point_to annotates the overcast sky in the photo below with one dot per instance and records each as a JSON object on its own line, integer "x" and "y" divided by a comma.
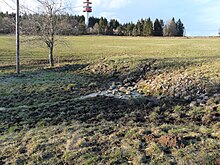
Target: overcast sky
{"x": 200, "y": 17}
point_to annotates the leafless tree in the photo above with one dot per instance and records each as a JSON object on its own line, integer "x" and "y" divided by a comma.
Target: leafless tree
{"x": 48, "y": 23}
{"x": 170, "y": 28}
{"x": 45, "y": 24}
{"x": 7, "y": 25}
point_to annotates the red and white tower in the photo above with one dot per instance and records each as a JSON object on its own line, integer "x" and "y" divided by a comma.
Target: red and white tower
{"x": 87, "y": 8}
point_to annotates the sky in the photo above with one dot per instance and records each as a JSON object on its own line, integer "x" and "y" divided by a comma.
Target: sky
{"x": 200, "y": 17}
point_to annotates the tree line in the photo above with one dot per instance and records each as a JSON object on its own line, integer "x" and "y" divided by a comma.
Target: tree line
{"x": 143, "y": 27}
{"x": 75, "y": 25}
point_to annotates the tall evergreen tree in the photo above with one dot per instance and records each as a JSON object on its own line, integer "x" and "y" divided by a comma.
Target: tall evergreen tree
{"x": 119, "y": 30}
{"x": 158, "y": 30}
{"x": 138, "y": 27}
{"x": 162, "y": 23}
{"x": 129, "y": 28}
{"x": 149, "y": 27}
{"x": 179, "y": 28}
{"x": 134, "y": 31}
{"x": 145, "y": 28}
{"x": 93, "y": 21}
{"x": 114, "y": 23}
{"x": 103, "y": 23}
{"x": 142, "y": 26}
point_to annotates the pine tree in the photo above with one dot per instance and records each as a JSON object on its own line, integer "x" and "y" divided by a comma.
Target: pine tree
{"x": 93, "y": 21}
{"x": 114, "y": 23}
{"x": 134, "y": 31}
{"x": 119, "y": 30}
{"x": 162, "y": 23}
{"x": 149, "y": 27}
{"x": 158, "y": 30}
{"x": 129, "y": 28}
{"x": 145, "y": 28}
{"x": 138, "y": 27}
{"x": 180, "y": 28}
{"x": 101, "y": 25}
{"x": 142, "y": 26}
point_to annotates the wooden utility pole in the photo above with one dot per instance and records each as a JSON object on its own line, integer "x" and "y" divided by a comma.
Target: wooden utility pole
{"x": 17, "y": 39}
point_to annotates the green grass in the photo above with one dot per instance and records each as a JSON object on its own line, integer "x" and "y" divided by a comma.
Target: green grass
{"x": 90, "y": 49}
{"x": 43, "y": 121}
{"x": 94, "y": 48}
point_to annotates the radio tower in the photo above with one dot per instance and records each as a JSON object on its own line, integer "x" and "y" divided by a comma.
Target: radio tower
{"x": 87, "y": 8}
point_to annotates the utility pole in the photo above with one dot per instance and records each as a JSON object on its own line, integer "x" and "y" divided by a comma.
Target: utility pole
{"x": 17, "y": 39}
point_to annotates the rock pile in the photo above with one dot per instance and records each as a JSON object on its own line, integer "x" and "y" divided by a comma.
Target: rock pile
{"x": 147, "y": 81}
{"x": 175, "y": 84}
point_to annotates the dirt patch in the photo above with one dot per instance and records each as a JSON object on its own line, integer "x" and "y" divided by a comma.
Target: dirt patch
{"x": 169, "y": 141}
{"x": 217, "y": 161}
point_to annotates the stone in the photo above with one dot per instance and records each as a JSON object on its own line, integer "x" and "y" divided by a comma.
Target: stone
{"x": 177, "y": 95}
{"x": 205, "y": 97}
{"x": 147, "y": 132}
{"x": 109, "y": 91}
{"x": 188, "y": 98}
{"x": 113, "y": 86}
{"x": 160, "y": 97}
{"x": 199, "y": 101}
{"x": 93, "y": 85}
{"x": 144, "y": 159}
{"x": 128, "y": 92}
{"x": 114, "y": 92}
{"x": 127, "y": 84}
{"x": 151, "y": 104}
{"x": 216, "y": 95}
{"x": 193, "y": 104}
{"x": 217, "y": 100}
{"x": 123, "y": 89}
{"x": 130, "y": 88}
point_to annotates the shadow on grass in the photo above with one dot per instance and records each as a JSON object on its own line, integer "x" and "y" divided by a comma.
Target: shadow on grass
{"x": 7, "y": 67}
{"x": 29, "y": 71}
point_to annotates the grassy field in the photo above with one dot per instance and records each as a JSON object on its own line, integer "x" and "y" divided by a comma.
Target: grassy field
{"x": 168, "y": 111}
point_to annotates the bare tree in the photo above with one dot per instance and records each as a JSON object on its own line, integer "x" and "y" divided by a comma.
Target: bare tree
{"x": 47, "y": 24}
{"x": 170, "y": 28}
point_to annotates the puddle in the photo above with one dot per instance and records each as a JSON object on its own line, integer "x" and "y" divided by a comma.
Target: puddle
{"x": 118, "y": 95}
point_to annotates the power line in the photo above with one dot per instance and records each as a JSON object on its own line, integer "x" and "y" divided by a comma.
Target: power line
{"x": 8, "y": 5}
